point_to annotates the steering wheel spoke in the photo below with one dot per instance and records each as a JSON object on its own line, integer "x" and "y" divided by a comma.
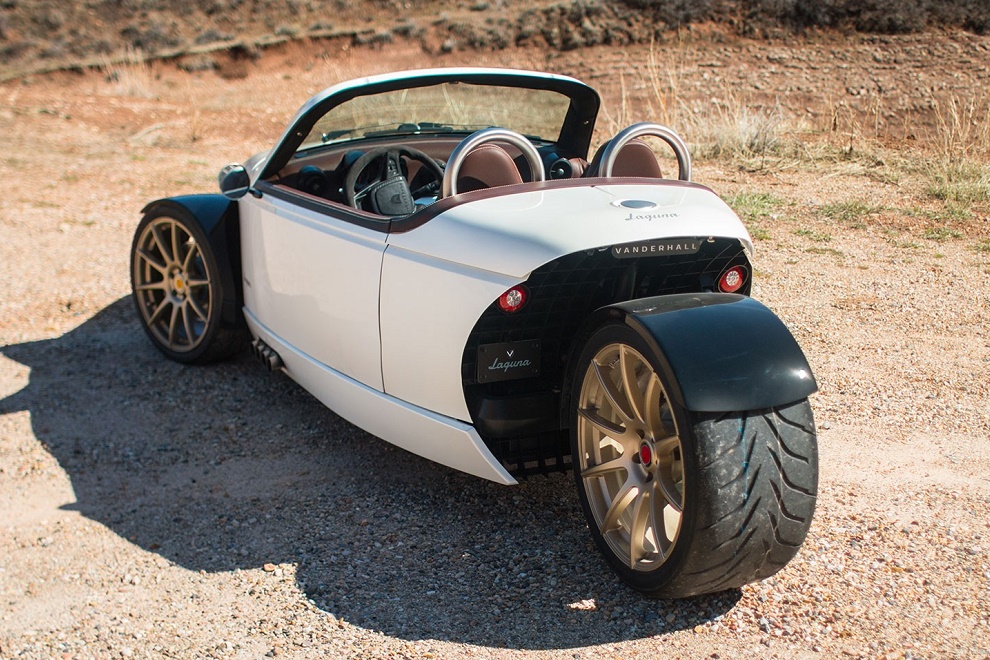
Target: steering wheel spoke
{"x": 359, "y": 196}
{"x": 432, "y": 189}
{"x": 391, "y": 165}
{"x": 388, "y": 193}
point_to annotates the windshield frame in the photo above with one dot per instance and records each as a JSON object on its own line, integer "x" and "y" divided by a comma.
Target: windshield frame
{"x": 446, "y": 108}
{"x": 575, "y": 132}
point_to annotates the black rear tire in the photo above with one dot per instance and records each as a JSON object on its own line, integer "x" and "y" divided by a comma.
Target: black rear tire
{"x": 682, "y": 503}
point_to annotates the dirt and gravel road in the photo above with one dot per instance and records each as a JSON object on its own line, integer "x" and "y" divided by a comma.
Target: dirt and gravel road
{"x": 153, "y": 510}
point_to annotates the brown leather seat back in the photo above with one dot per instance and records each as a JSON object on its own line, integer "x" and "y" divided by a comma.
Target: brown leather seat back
{"x": 487, "y": 166}
{"x": 635, "y": 159}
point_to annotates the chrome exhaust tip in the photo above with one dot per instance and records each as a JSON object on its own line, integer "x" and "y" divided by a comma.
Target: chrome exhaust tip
{"x": 266, "y": 355}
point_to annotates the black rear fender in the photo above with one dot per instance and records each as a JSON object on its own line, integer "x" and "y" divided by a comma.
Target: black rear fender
{"x": 219, "y": 220}
{"x": 721, "y": 352}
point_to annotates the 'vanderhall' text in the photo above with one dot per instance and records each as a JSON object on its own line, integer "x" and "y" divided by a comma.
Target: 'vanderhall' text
{"x": 655, "y": 248}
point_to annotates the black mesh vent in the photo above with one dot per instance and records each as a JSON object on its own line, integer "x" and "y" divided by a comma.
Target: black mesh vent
{"x": 562, "y": 295}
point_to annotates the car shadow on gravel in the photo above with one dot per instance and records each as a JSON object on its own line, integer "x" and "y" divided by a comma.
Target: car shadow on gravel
{"x": 225, "y": 467}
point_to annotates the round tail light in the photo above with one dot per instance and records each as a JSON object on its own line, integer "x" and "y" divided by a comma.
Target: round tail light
{"x": 732, "y": 280}
{"x": 513, "y": 299}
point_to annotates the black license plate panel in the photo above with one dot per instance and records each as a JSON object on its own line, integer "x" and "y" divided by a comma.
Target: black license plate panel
{"x": 508, "y": 360}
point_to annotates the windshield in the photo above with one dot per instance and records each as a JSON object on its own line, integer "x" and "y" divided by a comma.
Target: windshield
{"x": 443, "y": 108}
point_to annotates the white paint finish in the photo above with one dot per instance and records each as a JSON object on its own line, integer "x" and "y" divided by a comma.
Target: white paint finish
{"x": 516, "y": 233}
{"x": 422, "y": 432}
{"x": 428, "y": 309}
{"x": 390, "y": 360}
{"x": 314, "y": 281}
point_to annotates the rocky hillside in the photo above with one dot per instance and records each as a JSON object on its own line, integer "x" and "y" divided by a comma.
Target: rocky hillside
{"x": 50, "y": 34}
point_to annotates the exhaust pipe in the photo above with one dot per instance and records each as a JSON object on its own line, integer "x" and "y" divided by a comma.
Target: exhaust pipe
{"x": 268, "y": 357}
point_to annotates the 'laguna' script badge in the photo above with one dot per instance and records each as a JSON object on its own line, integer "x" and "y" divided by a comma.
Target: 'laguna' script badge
{"x": 508, "y": 360}
{"x": 656, "y": 248}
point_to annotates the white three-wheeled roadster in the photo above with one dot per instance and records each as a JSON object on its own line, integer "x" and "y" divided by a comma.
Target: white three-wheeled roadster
{"x": 432, "y": 255}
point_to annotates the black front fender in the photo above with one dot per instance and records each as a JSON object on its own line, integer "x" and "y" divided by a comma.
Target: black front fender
{"x": 722, "y": 352}
{"x": 217, "y": 216}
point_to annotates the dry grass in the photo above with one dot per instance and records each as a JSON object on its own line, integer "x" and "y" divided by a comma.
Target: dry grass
{"x": 943, "y": 177}
{"x": 959, "y": 171}
{"x": 850, "y": 212}
{"x": 614, "y": 120}
{"x": 129, "y": 75}
{"x": 963, "y": 127}
{"x": 727, "y": 126}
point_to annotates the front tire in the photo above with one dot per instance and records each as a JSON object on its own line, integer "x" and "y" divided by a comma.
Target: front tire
{"x": 683, "y": 503}
{"x": 177, "y": 289}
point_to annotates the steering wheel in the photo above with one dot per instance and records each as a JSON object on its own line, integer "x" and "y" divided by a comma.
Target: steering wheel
{"x": 389, "y": 193}
{"x": 485, "y": 135}
{"x": 627, "y": 135}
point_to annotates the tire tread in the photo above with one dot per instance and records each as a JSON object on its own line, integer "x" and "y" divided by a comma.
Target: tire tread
{"x": 756, "y": 489}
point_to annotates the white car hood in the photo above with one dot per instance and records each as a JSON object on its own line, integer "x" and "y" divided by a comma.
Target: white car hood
{"x": 514, "y": 234}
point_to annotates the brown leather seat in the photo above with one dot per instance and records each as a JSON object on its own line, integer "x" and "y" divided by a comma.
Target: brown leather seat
{"x": 634, "y": 159}
{"x": 487, "y": 166}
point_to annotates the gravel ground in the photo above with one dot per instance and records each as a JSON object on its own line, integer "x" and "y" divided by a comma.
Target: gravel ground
{"x": 154, "y": 510}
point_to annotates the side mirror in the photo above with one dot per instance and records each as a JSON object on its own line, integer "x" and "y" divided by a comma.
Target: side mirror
{"x": 234, "y": 181}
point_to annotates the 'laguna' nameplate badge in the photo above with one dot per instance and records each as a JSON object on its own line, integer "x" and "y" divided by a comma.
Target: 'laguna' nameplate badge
{"x": 508, "y": 360}
{"x": 656, "y": 248}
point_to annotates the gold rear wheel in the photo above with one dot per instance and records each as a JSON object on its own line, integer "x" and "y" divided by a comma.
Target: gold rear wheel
{"x": 630, "y": 458}
{"x": 684, "y": 502}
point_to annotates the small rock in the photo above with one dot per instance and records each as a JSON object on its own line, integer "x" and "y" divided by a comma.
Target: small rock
{"x": 586, "y": 605}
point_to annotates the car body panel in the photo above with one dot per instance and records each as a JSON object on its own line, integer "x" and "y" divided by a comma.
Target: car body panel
{"x": 515, "y": 233}
{"x": 313, "y": 280}
{"x": 428, "y": 308}
{"x": 423, "y": 432}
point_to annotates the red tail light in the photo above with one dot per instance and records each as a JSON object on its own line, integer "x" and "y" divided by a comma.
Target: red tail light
{"x": 513, "y": 299}
{"x": 732, "y": 280}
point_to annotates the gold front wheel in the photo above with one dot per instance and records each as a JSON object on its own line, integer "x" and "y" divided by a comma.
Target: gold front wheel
{"x": 682, "y": 503}
{"x": 177, "y": 289}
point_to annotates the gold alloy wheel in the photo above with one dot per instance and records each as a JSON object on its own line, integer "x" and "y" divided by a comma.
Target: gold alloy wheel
{"x": 630, "y": 457}
{"x": 172, "y": 285}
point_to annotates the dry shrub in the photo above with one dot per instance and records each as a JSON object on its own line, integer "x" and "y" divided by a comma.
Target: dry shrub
{"x": 615, "y": 121}
{"x": 129, "y": 75}
{"x": 962, "y": 127}
{"x": 730, "y": 128}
